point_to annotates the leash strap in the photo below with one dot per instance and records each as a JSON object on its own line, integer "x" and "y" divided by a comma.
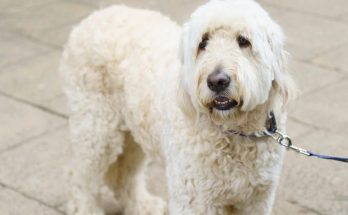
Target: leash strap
{"x": 342, "y": 159}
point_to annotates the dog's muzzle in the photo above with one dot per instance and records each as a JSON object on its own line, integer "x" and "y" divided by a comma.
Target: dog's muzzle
{"x": 223, "y": 103}
{"x": 218, "y": 82}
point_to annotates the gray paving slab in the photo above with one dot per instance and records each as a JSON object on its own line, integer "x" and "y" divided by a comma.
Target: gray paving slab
{"x": 325, "y": 108}
{"x": 36, "y": 80}
{"x": 37, "y": 168}
{"x": 13, "y": 203}
{"x": 336, "y": 59}
{"x": 288, "y": 207}
{"x": 308, "y": 35}
{"x": 327, "y": 8}
{"x": 20, "y": 122}
{"x": 15, "y": 48}
{"x": 317, "y": 186}
{"x": 297, "y": 129}
{"x": 14, "y": 6}
{"x": 57, "y": 36}
{"x": 34, "y": 148}
{"x": 344, "y": 18}
{"x": 46, "y": 17}
{"x": 309, "y": 77}
{"x": 178, "y": 10}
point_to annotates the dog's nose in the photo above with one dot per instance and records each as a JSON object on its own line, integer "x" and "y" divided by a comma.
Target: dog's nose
{"x": 218, "y": 81}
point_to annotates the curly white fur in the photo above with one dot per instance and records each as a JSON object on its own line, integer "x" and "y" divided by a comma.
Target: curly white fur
{"x": 132, "y": 97}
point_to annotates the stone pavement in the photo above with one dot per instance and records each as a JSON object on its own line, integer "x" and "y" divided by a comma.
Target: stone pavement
{"x": 33, "y": 114}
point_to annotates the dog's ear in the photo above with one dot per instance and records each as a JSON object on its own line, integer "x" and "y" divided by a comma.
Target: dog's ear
{"x": 186, "y": 73}
{"x": 283, "y": 82}
{"x": 184, "y": 101}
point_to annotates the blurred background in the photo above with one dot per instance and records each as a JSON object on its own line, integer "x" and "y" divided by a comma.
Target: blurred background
{"x": 33, "y": 114}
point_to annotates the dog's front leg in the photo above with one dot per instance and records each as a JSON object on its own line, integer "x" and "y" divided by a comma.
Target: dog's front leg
{"x": 261, "y": 204}
{"x": 184, "y": 188}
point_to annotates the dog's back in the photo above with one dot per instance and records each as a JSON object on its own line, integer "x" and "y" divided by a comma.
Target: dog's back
{"x": 113, "y": 64}
{"x": 123, "y": 53}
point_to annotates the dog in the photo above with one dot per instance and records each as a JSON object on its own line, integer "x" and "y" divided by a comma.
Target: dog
{"x": 141, "y": 87}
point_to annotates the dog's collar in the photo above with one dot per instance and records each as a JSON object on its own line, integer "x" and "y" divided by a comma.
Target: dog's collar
{"x": 283, "y": 139}
{"x": 270, "y": 128}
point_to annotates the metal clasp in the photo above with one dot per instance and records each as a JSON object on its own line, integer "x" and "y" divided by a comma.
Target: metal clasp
{"x": 285, "y": 141}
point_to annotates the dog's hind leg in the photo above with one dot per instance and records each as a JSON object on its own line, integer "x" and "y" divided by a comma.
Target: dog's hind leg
{"x": 126, "y": 177}
{"x": 96, "y": 143}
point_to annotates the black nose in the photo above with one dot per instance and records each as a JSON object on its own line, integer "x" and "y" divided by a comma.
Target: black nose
{"x": 218, "y": 81}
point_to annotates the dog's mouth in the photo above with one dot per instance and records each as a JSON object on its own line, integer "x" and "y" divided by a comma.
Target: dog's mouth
{"x": 223, "y": 103}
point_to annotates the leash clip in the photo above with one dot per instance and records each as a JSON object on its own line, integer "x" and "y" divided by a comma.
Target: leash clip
{"x": 285, "y": 141}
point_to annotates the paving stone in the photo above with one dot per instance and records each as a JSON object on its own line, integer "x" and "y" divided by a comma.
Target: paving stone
{"x": 325, "y": 108}
{"x": 48, "y": 16}
{"x": 336, "y": 59}
{"x": 36, "y": 80}
{"x": 307, "y": 35}
{"x": 284, "y": 207}
{"x": 21, "y": 122}
{"x": 178, "y": 10}
{"x": 344, "y": 18}
{"x": 56, "y": 37}
{"x": 156, "y": 179}
{"x": 312, "y": 184}
{"x": 34, "y": 146}
{"x": 15, "y": 48}
{"x": 37, "y": 168}
{"x": 334, "y": 8}
{"x": 15, "y": 6}
{"x": 12, "y": 203}
{"x": 296, "y": 129}
{"x": 309, "y": 77}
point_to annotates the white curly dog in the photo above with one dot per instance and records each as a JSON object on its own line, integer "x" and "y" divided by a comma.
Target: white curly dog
{"x": 137, "y": 91}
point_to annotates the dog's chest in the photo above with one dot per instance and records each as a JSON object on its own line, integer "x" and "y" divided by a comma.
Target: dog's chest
{"x": 236, "y": 171}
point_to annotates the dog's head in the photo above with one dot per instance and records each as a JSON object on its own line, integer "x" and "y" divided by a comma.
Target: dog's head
{"x": 232, "y": 60}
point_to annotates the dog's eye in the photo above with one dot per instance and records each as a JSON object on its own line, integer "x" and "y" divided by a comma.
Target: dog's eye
{"x": 203, "y": 43}
{"x": 243, "y": 42}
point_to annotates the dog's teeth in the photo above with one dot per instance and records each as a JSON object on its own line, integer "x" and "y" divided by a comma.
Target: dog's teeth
{"x": 222, "y": 103}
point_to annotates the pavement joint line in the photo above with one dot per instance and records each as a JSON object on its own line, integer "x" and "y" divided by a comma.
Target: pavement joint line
{"x": 41, "y": 107}
{"x": 335, "y": 69}
{"x": 83, "y": 3}
{"x": 331, "y": 83}
{"x": 312, "y": 131}
{"x": 307, "y": 208}
{"x": 23, "y": 142}
{"x": 31, "y": 198}
{"x": 37, "y": 40}
{"x": 295, "y": 119}
{"x": 343, "y": 16}
{"x": 31, "y": 7}
{"x": 318, "y": 15}
{"x": 314, "y": 127}
{"x": 24, "y": 60}
{"x": 73, "y": 21}
{"x": 328, "y": 50}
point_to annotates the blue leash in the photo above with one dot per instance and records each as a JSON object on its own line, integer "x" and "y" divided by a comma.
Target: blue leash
{"x": 283, "y": 139}
{"x": 328, "y": 157}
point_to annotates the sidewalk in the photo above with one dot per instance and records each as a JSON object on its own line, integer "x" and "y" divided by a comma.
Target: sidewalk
{"x": 33, "y": 114}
